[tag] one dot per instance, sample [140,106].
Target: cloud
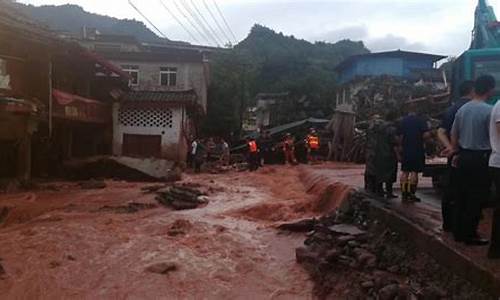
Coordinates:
[393,42]
[356,33]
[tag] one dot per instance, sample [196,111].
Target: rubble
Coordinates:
[181,197]
[373,261]
[162,268]
[179,227]
[299,226]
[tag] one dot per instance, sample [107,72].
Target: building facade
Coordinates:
[168,83]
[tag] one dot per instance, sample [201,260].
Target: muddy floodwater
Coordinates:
[65,242]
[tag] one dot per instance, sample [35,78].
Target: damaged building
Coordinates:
[168,94]
[381,83]
[55,98]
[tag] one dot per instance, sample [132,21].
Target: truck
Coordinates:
[482,58]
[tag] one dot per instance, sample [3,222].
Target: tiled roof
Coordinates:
[188,96]
[166,55]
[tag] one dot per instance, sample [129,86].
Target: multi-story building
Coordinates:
[168,94]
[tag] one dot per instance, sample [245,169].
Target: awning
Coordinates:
[105,64]
[76,108]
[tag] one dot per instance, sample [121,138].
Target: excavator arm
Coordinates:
[486,33]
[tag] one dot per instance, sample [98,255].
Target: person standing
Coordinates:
[470,137]
[450,178]
[413,131]
[253,154]
[226,153]
[289,149]
[494,163]
[192,153]
[312,145]
[265,145]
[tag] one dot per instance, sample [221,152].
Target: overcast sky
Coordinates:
[437,26]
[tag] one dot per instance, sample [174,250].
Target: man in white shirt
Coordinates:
[494,251]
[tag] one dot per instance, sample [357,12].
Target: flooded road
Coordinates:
[75,243]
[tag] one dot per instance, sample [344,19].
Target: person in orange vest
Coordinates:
[289,149]
[253,154]
[312,145]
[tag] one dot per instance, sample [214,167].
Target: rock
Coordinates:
[367,285]
[299,226]
[346,229]
[332,255]
[92,185]
[344,239]
[353,244]
[306,255]
[367,259]
[162,268]
[393,269]
[432,292]
[179,227]
[71,257]
[389,292]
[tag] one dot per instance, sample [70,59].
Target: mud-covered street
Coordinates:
[64,241]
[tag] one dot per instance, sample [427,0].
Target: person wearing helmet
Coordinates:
[312,145]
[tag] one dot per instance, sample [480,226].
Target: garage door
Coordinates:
[138,145]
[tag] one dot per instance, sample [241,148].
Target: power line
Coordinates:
[190,22]
[197,20]
[217,22]
[179,22]
[225,21]
[146,18]
[206,23]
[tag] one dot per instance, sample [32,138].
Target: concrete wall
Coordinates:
[173,144]
[189,76]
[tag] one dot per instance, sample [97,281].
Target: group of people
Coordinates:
[470,136]
[264,150]
[208,150]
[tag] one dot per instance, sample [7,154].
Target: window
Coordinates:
[133,71]
[168,76]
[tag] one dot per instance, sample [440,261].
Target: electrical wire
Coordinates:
[224,19]
[179,22]
[198,21]
[217,22]
[218,39]
[191,22]
[146,18]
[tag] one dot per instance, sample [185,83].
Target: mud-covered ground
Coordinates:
[67,242]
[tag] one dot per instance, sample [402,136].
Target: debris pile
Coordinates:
[351,255]
[181,197]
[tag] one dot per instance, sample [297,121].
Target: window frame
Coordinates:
[132,69]
[168,71]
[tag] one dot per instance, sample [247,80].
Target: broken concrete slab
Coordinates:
[346,229]
[180,197]
[123,168]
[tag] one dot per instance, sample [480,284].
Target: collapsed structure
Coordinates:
[382,83]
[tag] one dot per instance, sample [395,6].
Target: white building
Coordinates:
[168,95]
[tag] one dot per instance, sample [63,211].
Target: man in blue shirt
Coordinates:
[412,132]
[444,131]
[470,136]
